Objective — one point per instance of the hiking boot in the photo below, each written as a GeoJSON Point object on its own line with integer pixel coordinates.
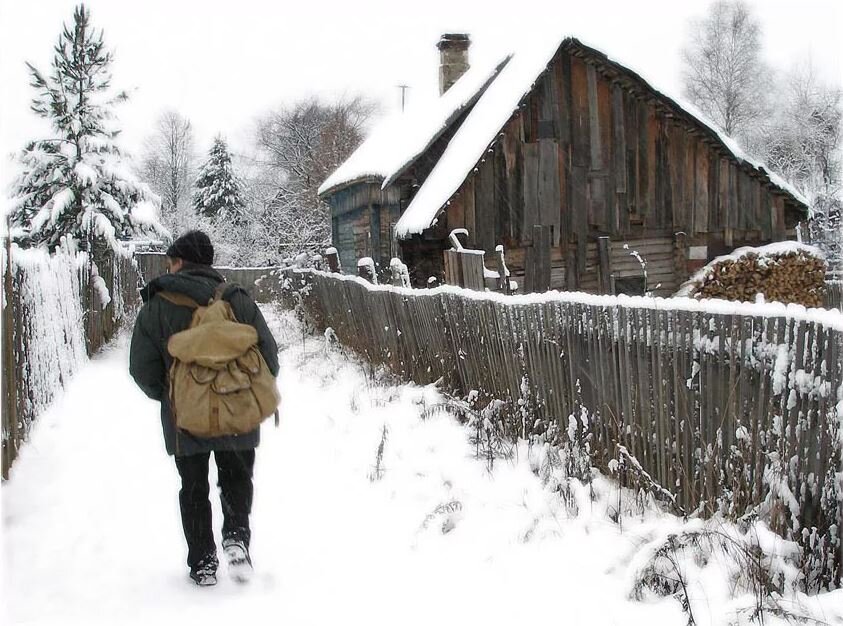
{"type": "Point", "coordinates": [204, 573]}
{"type": "Point", "coordinates": [239, 563]}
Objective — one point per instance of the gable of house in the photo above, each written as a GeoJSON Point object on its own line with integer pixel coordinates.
{"type": "Point", "coordinates": [596, 109]}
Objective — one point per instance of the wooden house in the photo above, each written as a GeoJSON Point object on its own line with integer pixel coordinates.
{"type": "Point", "coordinates": [588, 176]}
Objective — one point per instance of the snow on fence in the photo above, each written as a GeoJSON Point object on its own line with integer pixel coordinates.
{"type": "Point", "coordinates": [57, 310]}
{"type": "Point", "coordinates": [731, 408]}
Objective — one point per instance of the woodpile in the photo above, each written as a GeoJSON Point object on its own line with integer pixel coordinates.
{"type": "Point", "coordinates": [790, 275]}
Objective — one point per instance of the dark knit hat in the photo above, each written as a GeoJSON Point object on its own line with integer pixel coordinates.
{"type": "Point", "coordinates": [194, 247]}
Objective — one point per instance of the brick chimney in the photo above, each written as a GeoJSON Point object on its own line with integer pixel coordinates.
{"type": "Point", "coordinates": [453, 59]}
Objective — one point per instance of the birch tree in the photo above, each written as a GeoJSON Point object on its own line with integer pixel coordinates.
{"type": "Point", "coordinates": [801, 139]}
{"type": "Point", "coordinates": [723, 72]}
{"type": "Point", "coordinates": [169, 167]}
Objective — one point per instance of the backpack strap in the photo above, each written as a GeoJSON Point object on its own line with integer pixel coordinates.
{"type": "Point", "coordinates": [224, 288]}
{"type": "Point", "coordinates": [220, 291]}
{"type": "Point", "coordinates": [179, 299]}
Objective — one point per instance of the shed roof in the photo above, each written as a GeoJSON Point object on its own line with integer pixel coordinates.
{"type": "Point", "coordinates": [401, 138]}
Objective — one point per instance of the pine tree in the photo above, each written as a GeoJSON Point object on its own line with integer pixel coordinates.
{"type": "Point", "coordinates": [74, 184]}
{"type": "Point", "coordinates": [219, 193]}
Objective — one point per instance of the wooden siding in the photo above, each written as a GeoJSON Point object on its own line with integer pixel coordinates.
{"type": "Point", "coordinates": [657, 253]}
{"type": "Point", "coordinates": [589, 155]}
{"type": "Point", "coordinates": [363, 218]}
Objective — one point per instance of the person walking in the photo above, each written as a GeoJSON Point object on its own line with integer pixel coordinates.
{"type": "Point", "coordinates": [190, 274]}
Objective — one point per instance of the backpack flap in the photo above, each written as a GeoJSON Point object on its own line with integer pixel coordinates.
{"type": "Point", "coordinates": [217, 311]}
{"type": "Point", "coordinates": [212, 344]}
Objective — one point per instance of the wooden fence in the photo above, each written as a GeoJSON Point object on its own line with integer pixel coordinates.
{"type": "Point", "coordinates": [57, 309]}
{"type": "Point", "coordinates": [260, 282]}
{"type": "Point", "coordinates": [834, 294]}
{"type": "Point", "coordinates": [729, 408]}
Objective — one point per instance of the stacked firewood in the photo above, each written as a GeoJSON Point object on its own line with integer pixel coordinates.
{"type": "Point", "coordinates": [793, 276]}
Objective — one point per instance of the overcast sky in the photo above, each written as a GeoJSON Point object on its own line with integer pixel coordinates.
{"type": "Point", "coordinates": [222, 63]}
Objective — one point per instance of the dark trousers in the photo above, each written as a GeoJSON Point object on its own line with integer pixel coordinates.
{"type": "Point", "coordinates": [234, 469]}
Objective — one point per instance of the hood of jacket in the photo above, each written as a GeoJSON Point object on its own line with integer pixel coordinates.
{"type": "Point", "coordinates": [198, 283]}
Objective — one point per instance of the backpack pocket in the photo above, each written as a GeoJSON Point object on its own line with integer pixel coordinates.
{"type": "Point", "coordinates": [202, 375]}
{"type": "Point", "coordinates": [231, 379]}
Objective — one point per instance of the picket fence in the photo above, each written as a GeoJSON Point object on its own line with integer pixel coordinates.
{"type": "Point", "coordinates": [834, 294]}
{"type": "Point", "coordinates": [719, 408]}
{"type": "Point", "coordinates": [57, 310]}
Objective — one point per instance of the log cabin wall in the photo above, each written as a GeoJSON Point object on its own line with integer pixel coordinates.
{"type": "Point", "coordinates": [593, 151]}
{"type": "Point", "coordinates": [656, 273]}
{"type": "Point", "coordinates": [363, 220]}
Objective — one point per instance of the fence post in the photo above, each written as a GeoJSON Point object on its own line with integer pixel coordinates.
{"type": "Point", "coordinates": [366, 270]}
{"type": "Point", "coordinates": [453, 269]}
{"type": "Point", "coordinates": [472, 270]}
{"type": "Point", "coordinates": [537, 270]}
{"type": "Point", "coordinates": [333, 259]}
{"type": "Point", "coordinates": [571, 282]}
{"type": "Point", "coordinates": [680, 257]}
{"type": "Point", "coordinates": [399, 273]}
{"type": "Point", "coordinates": [503, 271]}
{"type": "Point", "coordinates": [834, 294]}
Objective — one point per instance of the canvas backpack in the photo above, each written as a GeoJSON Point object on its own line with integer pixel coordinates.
{"type": "Point", "coordinates": [220, 383]}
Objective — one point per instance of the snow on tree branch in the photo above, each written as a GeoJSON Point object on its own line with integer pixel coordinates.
{"type": "Point", "coordinates": [73, 184]}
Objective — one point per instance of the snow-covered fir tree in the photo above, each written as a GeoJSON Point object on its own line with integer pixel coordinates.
{"type": "Point", "coordinates": [74, 183]}
{"type": "Point", "coordinates": [219, 193]}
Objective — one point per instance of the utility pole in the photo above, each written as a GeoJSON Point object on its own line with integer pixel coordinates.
{"type": "Point", "coordinates": [403, 89]}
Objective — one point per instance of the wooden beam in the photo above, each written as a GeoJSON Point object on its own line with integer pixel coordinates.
{"type": "Point", "coordinates": [605, 261]}
{"type": "Point", "coordinates": [594, 120]}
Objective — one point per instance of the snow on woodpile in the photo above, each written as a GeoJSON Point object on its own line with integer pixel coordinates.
{"type": "Point", "coordinates": [400, 138]}
{"type": "Point", "coordinates": [786, 272]}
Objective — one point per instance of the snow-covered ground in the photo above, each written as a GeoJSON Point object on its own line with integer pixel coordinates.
{"type": "Point", "coordinates": [428, 536]}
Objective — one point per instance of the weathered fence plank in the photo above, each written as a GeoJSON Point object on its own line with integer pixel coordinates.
{"type": "Point", "coordinates": [723, 409]}
{"type": "Point", "coordinates": [56, 309]}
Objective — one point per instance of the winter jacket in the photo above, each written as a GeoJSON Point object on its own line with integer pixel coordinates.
{"type": "Point", "coordinates": [149, 361]}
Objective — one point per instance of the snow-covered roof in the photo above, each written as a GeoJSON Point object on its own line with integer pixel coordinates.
{"type": "Point", "coordinates": [493, 110]}
{"type": "Point", "coordinates": [401, 137]}
{"type": "Point", "coordinates": [477, 132]}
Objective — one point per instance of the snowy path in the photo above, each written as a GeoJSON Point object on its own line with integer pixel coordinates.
{"type": "Point", "coordinates": [92, 533]}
